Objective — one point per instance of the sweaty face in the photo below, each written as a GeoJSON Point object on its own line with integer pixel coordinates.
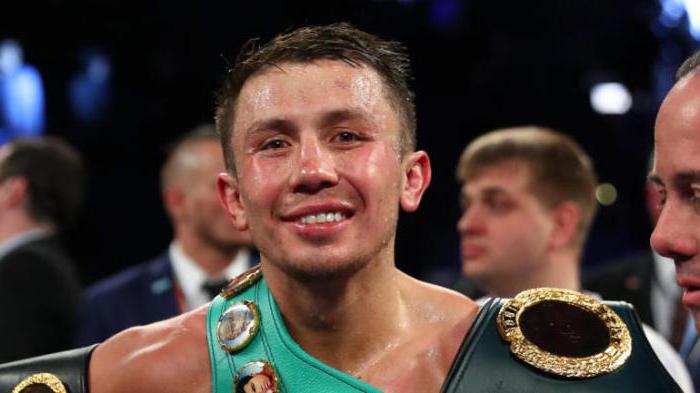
{"type": "Point", "coordinates": [504, 229]}
{"type": "Point", "coordinates": [319, 177]}
{"type": "Point", "coordinates": [676, 176]}
{"type": "Point", "coordinates": [203, 211]}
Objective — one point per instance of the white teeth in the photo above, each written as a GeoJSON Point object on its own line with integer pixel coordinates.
{"type": "Point", "coordinates": [322, 217]}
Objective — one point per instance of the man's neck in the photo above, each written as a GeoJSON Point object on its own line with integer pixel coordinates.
{"type": "Point", "coordinates": [13, 224]}
{"type": "Point", "coordinates": [213, 260]}
{"type": "Point", "coordinates": [344, 322]}
{"type": "Point", "coordinates": [561, 271]}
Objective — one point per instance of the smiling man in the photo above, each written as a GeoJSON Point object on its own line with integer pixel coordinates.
{"type": "Point", "coordinates": [318, 133]}
{"type": "Point", "coordinates": [676, 175]}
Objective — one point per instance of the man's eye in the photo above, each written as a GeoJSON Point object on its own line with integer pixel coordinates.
{"type": "Point", "coordinates": [695, 197]}
{"type": "Point", "coordinates": [274, 144]}
{"type": "Point", "coordinates": [499, 206]}
{"type": "Point", "coordinates": [346, 136]}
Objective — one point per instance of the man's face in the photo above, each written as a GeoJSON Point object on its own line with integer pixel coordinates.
{"type": "Point", "coordinates": [319, 178]}
{"type": "Point", "coordinates": [504, 228]}
{"type": "Point", "coordinates": [676, 176]}
{"type": "Point", "coordinates": [202, 210]}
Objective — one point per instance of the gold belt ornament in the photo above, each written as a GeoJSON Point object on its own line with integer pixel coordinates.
{"type": "Point", "coordinates": [40, 383]}
{"type": "Point", "coordinates": [564, 332]}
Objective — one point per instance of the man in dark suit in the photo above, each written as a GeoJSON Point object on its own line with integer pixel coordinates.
{"type": "Point", "coordinates": [206, 250]}
{"type": "Point", "coordinates": [41, 189]}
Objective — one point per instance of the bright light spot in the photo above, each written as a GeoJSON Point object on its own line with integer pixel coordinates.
{"type": "Point", "coordinates": [606, 194]}
{"type": "Point", "coordinates": [10, 56]}
{"type": "Point", "coordinates": [610, 98]}
{"type": "Point", "coordinates": [672, 12]}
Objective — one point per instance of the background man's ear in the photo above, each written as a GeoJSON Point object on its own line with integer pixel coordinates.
{"type": "Point", "coordinates": [173, 201]}
{"type": "Point", "coordinates": [417, 175]}
{"type": "Point", "coordinates": [13, 191]}
{"type": "Point", "coordinates": [227, 189]}
{"type": "Point", "coordinates": [567, 217]}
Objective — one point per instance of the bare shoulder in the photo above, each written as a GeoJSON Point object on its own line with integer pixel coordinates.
{"type": "Point", "coordinates": [168, 356]}
{"type": "Point", "coordinates": [440, 303]}
{"type": "Point", "coordinates": [439, 320]}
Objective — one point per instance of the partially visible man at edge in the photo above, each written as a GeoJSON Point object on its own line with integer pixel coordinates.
{"type": "Point", "coordinates": [676, 175]}
{"type": "Point", "coordinates": [42, 187]}
{"type": "Point", "coordinates": [317, 123]}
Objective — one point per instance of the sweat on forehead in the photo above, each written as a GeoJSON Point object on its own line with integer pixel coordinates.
{"type": "Point", "coordinates": [340, 42]}
{"type": "Point", "coordinates": [293, 84]}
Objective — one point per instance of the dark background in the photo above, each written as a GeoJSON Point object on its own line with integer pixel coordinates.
{"type": "Point", "coordinates": [478, 65]}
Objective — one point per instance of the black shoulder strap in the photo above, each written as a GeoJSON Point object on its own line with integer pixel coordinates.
{"type": "Point", "coordinates": [70, 367]}
{"type": "Point", "coordinates": [484, 363]}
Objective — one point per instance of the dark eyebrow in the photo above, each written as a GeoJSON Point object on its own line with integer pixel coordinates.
{"type": "Point", "coordinates": [494, 191]}
{"type": "Point", "coordinates": [687, 177]}
{"type": "Point", "coordinates": [287, 126]}
{"type": "Point", "coordinates": [678, 178]}
{"type": "Point", "coordinates": [277, 123]}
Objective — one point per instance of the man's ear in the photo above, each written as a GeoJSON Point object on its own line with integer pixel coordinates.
{"type": "Point", "coordinates": [227, 189]}
{"type": "Point", "coordinates": [13, 191]}
{"type": "Point", "coordinates": [173, 201]}
{"type": "Point", "coordinates": [417, 175]}
{"type": "Point", "coordinates": [567, 218]}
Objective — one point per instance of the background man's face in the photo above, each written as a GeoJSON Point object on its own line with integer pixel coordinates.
{"type": "Point", "coordinates": [677, 178]}
{"type": "Point", "coordinates": [504, 228]}
{"type": "Point", "coordinates": [318, 170]}
{"type": "Point", "coordinates": [202, 209]}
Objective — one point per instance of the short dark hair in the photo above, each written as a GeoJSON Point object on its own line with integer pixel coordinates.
{"type": "Point", "coordinates": [560, 169]}
{"type": "Point", "coordinates": [339, 41]}
{"type": "Point", "coordinates": [689, 66]}
{"type": "Point", "coordinates": [55, 175]}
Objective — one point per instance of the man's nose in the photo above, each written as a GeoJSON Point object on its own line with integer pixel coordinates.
{"type": "Point", "coordinates": [471, 222]}
{"type": "Point", "coordinates": [673, 236]}
{"type": "Point", "coordinates": [315, 167]}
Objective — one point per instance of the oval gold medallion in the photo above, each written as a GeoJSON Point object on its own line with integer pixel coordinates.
{"type": "Point", "coordinates": [564, 332]}
{"type": "Point", "coordinates": [238, 325]}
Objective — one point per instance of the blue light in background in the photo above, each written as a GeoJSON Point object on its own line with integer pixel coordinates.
{"type": "Point", "coordinates": [445, 14]}
{"type": "Point", "coordinates": [673, 11]}
{"type": "Point", "coordinates": [89, 90]}
{"type": "Point", "coordinates": [21, 94]}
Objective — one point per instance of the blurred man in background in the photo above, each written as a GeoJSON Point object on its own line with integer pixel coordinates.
{"type": "Point", "coordinates": [42, 183]}
{"type": "Point", "coordinates": [528, 198]}
{"type": "Point", "coordinates": [205, 253]}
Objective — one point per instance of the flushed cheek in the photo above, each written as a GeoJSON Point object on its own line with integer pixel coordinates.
{"type": "Point", "coordinates": [260, 190]}
{"type": "Point", "coordinates": [379, 168]}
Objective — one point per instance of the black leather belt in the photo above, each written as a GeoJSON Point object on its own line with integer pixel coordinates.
{"type": "Point", "coordinates": [58, 373]}
{"type": "Point", "coordinates": [487, 363]}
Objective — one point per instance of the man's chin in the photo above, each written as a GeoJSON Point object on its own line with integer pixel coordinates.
{"type": "Point", "coordinates": [317, 270]}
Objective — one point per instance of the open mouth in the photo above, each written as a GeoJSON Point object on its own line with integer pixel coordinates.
{"type": "Point", "coordinates": [324, 217]}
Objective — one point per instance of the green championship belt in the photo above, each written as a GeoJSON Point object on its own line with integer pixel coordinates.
{"type": "Point", "coordinates": [251, 350]}
{"type": "Point", "coordinates": [549, 340]}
